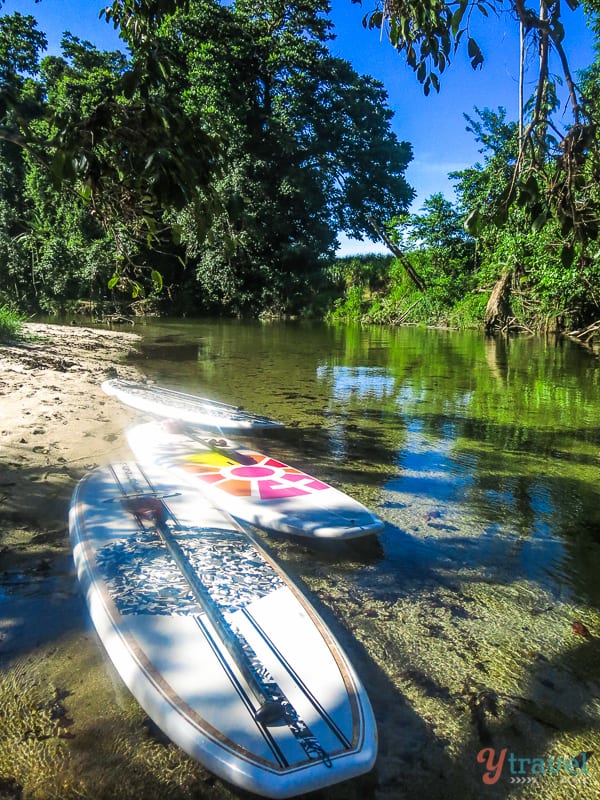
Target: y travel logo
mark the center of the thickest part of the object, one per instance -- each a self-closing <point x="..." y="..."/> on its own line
<point x="527" y="770"/>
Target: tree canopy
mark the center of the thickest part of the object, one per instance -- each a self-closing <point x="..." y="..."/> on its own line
<point x="223" y="150"/>
<point x="228" y="138"/>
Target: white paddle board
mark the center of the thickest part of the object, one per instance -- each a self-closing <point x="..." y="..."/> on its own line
<point x="252" y="486"/>
<point x="200" y="411"/>
<point x="214" y="641"/>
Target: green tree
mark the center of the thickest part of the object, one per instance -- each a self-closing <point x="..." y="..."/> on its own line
<point x="538" y="274"/>
<point x="110" y="128"/>
<point x="448" y="252"/>
<point x="54" y="234"/>
<point x="548" y="170"/>
<point x="232" y="127"/>
<point x="440" y="229"/>
<point x="309" y="149"/>
<point x="21" y="45"/>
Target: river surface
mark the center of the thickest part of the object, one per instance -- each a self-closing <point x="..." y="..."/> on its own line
<point x="478" y="452"/>
<point x="473" y="619"/>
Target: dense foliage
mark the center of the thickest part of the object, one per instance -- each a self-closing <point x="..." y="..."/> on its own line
<point x="219" y="159"/>
<point x="11" y="324"/>
<point x="532" y="206"/>
<point x="210" y="166"/>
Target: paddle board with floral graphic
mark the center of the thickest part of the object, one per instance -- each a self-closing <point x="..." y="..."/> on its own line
<point x="252" y="486"/>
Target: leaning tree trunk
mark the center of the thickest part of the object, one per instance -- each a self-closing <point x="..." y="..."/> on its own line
<point x="497" y="307"/>
<point x="397" y="252"/>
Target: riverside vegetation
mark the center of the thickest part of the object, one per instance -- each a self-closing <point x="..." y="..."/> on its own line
<point x="11" y="323"/>
<point x="208" y="166"/>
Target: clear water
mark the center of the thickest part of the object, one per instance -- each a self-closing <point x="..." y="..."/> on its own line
<point x="481" y="451"/>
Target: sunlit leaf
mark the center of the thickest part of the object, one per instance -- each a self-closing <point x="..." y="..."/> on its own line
<point x="472" y="223"/>
<point x="157" y="280"/>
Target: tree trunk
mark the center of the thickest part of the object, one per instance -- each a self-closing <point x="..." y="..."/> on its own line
<point x="521" y="80"/>
<point x="395" y="250"/>
<point x="497" y="306"/>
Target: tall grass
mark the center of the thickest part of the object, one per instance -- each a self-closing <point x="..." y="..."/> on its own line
<point x="11" y="324"/>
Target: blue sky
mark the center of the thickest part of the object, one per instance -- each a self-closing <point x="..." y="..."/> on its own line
<point x="434" y="125"/>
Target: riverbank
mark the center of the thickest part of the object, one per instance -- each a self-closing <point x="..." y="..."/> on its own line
<point x="54" y="423"/>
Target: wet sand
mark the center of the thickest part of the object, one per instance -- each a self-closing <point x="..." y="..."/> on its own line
<point x="456" y="661"/>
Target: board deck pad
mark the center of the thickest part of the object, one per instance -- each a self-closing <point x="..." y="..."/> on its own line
<point x="141" y="597"/>
<point x="253" y="486"/>
<point x="201" y="411"/>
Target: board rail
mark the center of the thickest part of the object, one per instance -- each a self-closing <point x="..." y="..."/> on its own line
<point x="202" y="412"/>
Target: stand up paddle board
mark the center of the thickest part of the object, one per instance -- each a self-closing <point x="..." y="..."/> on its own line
<point x="199" y="411"/>
<point x="214" y="641"/>
<point x="252" y="486"/>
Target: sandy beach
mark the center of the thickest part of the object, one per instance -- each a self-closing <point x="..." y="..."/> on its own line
<point x="54" y="425"/>
<point x="59" y="698"/>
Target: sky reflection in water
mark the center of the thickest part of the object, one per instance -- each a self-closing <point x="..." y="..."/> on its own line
<point x="479" y="453"/>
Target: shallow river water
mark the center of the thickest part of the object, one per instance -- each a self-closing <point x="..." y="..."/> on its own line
<point x="474" y="617"/>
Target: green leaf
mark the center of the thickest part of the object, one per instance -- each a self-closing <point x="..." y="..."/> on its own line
<point x="85" y="192"/>
<point x="374" y="20"/>
<point x="539" y="221"/>
<point x="457" y="16"/>
<point x="529" y="192"/>
<point x="57" y="168"/>
<point x="129" y="83"/>
<point x="113" y="281"/>
<point x="473" y="223"/>
<point x="176" y="233"/>
<point x="157" y="280"/>
<point x="475" y="53"/>
<point x="500" y="216"/>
